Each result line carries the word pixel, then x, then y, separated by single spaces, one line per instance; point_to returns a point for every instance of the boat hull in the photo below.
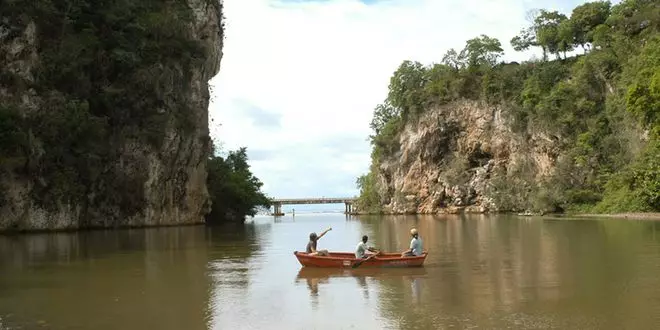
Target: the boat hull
pixel 347 260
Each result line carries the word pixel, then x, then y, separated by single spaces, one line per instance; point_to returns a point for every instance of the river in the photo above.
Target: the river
pixel 487 272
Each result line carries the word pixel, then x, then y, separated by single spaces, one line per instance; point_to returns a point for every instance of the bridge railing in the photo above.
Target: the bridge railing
pixel 313 199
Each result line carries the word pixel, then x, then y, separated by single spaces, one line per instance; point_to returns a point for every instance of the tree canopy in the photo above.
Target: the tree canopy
pixel 235 191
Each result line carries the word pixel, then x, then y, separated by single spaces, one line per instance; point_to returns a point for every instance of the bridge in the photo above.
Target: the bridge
pixel 278 202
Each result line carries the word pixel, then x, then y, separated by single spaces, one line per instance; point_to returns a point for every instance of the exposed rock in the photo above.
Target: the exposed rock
pixel 448 157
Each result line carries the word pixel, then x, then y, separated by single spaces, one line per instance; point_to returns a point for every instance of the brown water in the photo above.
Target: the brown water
pixel 482 272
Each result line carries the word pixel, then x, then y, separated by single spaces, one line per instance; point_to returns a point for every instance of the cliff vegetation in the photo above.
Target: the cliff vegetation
pixel 235 191
pixel 104 112
pixel 555 134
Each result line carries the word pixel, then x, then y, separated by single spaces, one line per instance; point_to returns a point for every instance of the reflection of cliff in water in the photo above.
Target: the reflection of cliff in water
pixel 480 270
pixel 130 278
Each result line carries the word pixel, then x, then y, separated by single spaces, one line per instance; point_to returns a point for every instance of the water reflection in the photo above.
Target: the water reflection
pixel 136 278
pixel 553 273
pixel 315 276
pixel 416 286
pixel 313 286
pixel 487 272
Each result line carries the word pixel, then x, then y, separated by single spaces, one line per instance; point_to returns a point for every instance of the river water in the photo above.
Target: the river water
pixel 487 272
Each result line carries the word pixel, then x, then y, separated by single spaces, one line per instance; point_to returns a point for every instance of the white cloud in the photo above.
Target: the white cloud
pixel 317 69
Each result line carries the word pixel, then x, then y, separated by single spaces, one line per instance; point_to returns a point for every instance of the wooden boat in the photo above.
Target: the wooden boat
pixel 347 260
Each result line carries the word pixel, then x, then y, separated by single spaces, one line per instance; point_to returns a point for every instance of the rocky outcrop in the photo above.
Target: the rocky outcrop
pixel 167 179
pixel 448 160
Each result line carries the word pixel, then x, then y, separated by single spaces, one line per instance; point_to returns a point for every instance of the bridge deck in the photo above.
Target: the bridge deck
pixel 289 201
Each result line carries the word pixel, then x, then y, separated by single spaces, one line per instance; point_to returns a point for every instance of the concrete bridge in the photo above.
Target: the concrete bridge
pixel 278 202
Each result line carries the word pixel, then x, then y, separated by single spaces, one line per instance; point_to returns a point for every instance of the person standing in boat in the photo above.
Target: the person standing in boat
pixel 415 245
pixel 362 248
pixel 311 245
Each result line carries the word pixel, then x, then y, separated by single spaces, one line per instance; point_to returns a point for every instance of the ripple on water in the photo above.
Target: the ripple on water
pixel 230 272
pixel 503 273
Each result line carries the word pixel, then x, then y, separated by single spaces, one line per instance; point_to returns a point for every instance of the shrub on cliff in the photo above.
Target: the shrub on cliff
pixel 597 107
pixel 369 200
pixel 235 191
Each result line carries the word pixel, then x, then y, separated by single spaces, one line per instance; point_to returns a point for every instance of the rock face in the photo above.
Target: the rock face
pixel 169 178
pixel 448 159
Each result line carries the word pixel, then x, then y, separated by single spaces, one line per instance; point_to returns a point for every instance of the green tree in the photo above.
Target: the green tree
pixel 406 88
pixel 566 37
pixel 439 88
pixel 643 94
pixel 481 51
pixel 369 200
pixel 452 60
pixel 524 40
pixel 235 191
pixel 633 17
pixel 602 36
pixel 546 26
pixel 586 17
pixel 383 114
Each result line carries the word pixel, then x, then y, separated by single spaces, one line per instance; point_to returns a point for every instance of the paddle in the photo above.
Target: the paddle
pixel 357 264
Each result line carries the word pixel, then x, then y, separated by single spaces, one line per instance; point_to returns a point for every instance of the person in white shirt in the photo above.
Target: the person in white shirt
pixel 415 245
pixel 362 248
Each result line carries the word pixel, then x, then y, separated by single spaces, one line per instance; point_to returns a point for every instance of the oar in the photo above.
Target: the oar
pixel 357 264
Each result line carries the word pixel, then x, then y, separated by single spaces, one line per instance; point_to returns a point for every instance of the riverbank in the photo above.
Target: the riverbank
pixel 629 216
pixel 12 231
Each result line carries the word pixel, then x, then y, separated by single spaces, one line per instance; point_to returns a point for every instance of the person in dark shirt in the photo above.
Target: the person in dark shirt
pixel 311 245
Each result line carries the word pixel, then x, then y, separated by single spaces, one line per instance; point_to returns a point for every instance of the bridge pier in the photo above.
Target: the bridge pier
pixel 348 207
pixel 277 209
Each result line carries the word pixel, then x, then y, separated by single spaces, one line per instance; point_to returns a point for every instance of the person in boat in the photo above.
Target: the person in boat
pixel 311 245
pixel 415 245
pixel 361 251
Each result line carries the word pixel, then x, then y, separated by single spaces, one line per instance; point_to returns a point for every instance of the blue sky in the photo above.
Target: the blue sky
pixel 299 79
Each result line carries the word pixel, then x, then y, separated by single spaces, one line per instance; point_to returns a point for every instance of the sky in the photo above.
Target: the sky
pixel 299 79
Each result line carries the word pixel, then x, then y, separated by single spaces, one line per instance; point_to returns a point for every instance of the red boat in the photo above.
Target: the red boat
pixel 347 260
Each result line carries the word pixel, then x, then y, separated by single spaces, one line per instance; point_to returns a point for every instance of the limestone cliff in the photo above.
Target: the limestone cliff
pixel 104 112
pixel 449 159
pixel 557 134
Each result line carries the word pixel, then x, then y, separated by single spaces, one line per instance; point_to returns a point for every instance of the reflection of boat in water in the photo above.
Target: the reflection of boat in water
pixel 347 260
pixel 317 276
pixel 308 273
